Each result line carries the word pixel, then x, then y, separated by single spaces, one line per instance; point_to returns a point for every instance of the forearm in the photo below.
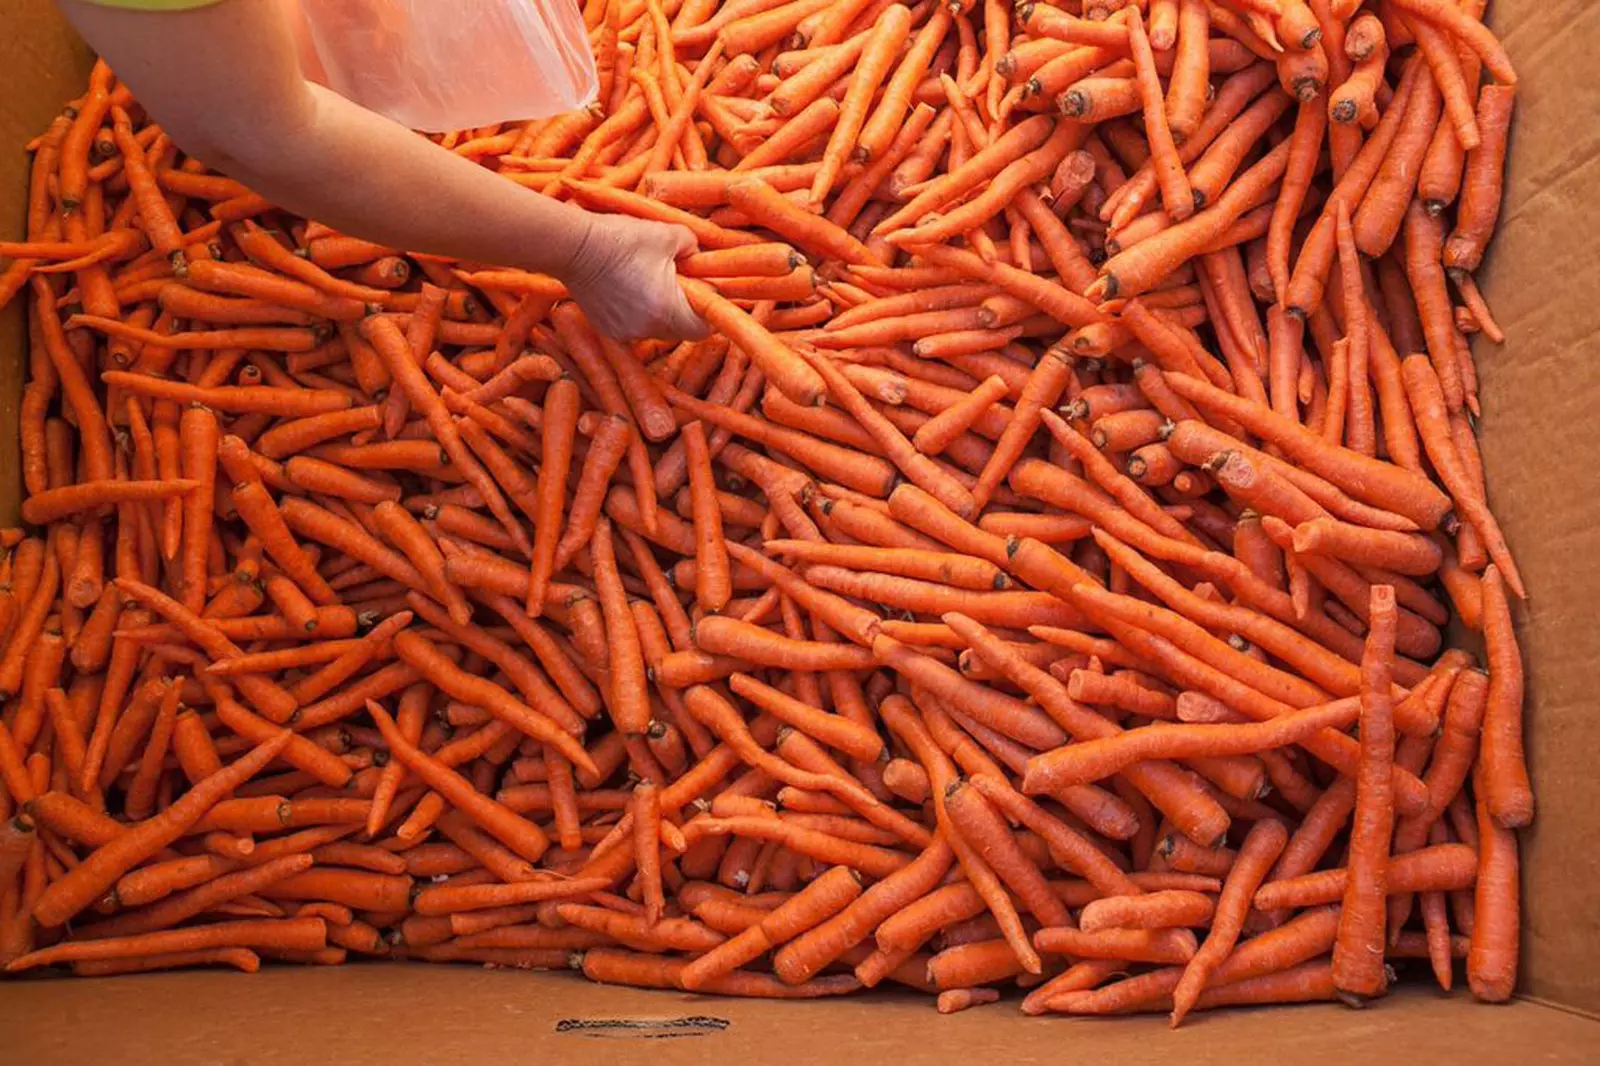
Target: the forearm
pixel 238 101
pixel 367 176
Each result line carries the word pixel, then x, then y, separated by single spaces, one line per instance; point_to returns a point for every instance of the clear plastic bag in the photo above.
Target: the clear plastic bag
pixel 439 65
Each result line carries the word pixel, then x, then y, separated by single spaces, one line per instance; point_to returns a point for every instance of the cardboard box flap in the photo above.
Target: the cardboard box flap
pixel 387 1015
pixel 1543 457
pixel 1543 454
pixel 43 64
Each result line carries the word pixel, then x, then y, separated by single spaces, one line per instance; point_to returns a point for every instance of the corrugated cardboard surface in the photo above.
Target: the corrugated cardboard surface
pixel 389 1015
pixel 43 64
pixel 1543 457
pixel 1541 444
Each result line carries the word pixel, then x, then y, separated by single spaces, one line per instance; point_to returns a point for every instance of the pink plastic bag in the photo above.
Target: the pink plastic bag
pixel 439 65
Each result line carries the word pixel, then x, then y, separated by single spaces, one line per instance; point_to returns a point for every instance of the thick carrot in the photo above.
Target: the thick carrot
pixel 1376 482
pixel 876 56
pixel 1492 957
pixel 1357 953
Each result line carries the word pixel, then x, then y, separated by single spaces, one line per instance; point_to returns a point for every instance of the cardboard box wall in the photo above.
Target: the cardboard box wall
pixel 1541 441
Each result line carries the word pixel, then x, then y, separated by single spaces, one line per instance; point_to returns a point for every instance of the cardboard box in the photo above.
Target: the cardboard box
pixel 1543 453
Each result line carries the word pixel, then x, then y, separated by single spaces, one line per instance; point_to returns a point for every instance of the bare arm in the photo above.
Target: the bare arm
pixel 224 81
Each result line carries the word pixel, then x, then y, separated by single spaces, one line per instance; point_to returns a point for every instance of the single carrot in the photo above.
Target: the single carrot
pixel 1358 951
pixel 1261 847
pixel 1492 956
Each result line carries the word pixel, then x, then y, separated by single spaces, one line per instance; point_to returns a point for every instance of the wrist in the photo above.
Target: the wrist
pixel 583 263
pixel 562 244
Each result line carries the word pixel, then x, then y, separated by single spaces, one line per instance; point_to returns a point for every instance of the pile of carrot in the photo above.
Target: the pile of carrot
pixel 1037 580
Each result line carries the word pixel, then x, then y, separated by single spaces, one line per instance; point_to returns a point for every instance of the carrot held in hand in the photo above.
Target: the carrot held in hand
pixel 787 371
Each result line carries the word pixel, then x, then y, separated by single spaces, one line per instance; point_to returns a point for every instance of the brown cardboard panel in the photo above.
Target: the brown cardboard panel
pixel 1543 279
pixel 1543 460
pixel 43 64
pixel 386 1015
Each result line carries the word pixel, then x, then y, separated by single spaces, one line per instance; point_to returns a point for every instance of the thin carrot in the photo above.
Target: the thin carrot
pixel 1261 847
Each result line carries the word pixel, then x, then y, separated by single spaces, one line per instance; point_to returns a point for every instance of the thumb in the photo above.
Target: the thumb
pixel 686 241
pixel 681 317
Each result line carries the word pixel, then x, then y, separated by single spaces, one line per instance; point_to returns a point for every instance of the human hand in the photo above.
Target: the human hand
pixel 624 279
